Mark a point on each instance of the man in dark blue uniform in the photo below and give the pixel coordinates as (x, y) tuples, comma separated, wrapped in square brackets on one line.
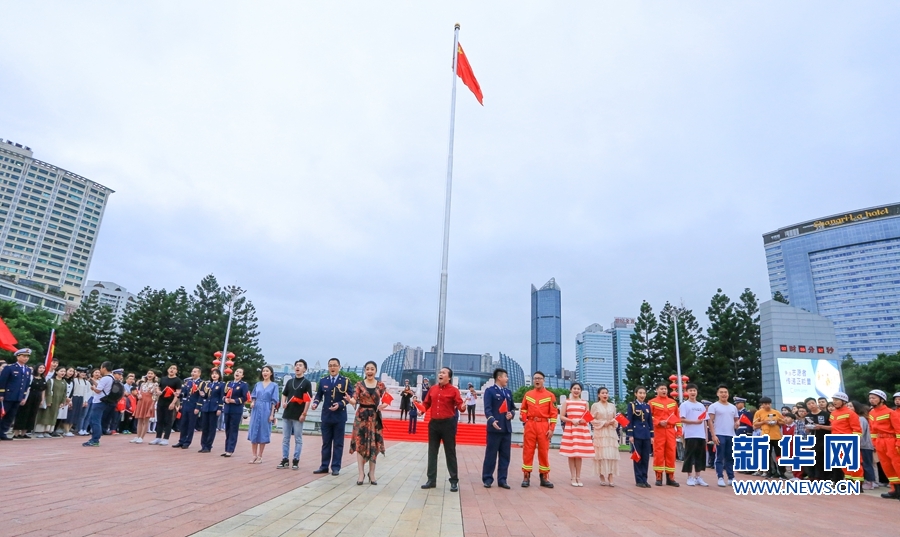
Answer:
[(640, 434), (190, 409), (15, 380), (330, 394), (499, 410), (743, 428)]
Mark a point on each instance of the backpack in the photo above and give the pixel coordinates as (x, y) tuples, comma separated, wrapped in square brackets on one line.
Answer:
[(116, 391)]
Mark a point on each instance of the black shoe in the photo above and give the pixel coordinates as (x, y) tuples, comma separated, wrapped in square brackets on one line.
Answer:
[(177, 446), (454, 487), (336, 473), (203, 451), (672, 483), (546, 483), (526, 483), (321, 471), (659, 482), (429, 485), (4, 437), (186, 446), (503, 486), (891, 495), (283, 464), (487, 485), (296, 465)]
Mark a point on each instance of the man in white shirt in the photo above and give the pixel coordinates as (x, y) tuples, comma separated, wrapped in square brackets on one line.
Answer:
[(98, 407), (723, 420), (694, 421)]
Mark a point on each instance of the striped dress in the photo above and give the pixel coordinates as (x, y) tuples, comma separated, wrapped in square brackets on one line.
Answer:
[(576, 439)]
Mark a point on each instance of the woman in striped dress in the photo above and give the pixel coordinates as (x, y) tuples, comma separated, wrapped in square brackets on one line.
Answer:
[(576, 439)]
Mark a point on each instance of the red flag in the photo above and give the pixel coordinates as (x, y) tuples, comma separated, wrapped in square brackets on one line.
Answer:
[(635, 456), (420, 407), (168, 392), (306, 398), (8, 341), (228, 394), (623, 421), (178, 416), (503, 408), (464, 71), (51, 349), (387, 399), (702, 416), (296, 399), (588, 417), (746, 421), (249, 397), (195, 387)]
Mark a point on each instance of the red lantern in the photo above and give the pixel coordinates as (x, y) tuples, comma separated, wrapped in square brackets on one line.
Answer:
[(217, 354), (685, 378), (217, 363), (673, 377), (229, 363), (673, 386), (228, 371), (230, 356)]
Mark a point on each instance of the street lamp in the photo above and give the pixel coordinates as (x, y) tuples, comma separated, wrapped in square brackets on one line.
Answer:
[(233, 293)]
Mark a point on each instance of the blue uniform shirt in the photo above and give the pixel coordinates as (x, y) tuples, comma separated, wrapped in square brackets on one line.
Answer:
[(640, 422), (190, 397), (329, 392), (493, 399), (14, 382), (212, 396), (239, 390)]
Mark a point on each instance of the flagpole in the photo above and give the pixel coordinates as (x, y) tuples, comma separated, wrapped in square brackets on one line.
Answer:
[(442, 310), (49, 356)]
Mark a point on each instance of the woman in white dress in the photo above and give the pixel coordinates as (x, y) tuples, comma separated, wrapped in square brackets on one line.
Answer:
[(576, 439), (606, 440)]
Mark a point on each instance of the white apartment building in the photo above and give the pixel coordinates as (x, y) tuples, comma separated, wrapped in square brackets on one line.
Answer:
[(109, 294)]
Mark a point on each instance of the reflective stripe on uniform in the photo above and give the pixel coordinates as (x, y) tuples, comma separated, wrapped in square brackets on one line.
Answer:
[(545, 400)]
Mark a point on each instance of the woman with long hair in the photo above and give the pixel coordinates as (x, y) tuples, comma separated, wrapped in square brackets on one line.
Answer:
[(27, 415), (235, 396), (606, 440), (212, 395), (85, 421), (262, 415), (81, 392), (576, 438), (367, 440), (64, 424), (146, 402), (54, 400)]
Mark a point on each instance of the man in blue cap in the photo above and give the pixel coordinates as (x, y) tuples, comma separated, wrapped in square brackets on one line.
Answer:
[(14, 382), (743, 428)]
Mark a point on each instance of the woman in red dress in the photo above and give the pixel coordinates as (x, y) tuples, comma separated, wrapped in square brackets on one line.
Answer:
[(367, 441)]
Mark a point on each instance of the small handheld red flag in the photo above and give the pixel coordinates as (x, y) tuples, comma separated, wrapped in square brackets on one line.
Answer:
[(249, 397), (178, 416), (465, 73), (228, 394), (168, 392), (420, 407), (702, 416), (306, 398), (588, 417), (746, 421), (623, 421), (296, 399), (195, 387), (387, 399), (503, 407), (635, 456)]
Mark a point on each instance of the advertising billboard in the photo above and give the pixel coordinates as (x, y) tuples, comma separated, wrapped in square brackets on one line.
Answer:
[(802, 377)]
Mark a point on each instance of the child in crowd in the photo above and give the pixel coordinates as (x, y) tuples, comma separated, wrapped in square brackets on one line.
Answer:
[(413, 415)]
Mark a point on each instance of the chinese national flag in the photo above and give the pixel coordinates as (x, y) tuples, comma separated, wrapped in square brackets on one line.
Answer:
[(421, 408), (588, 417), (195, 387), (464, 71), (635, 456), (168, 392), (387, 399), (249, 396), (746, 421), (8, 341), (702, 416), (623, 421), (228, 394), (306, 397), (503, 408), (51, 350), (298, 400)]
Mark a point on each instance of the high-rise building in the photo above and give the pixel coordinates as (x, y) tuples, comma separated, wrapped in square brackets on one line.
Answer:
[(413, 356), (847, 268), (594, 359), (476, 369), (49, 221), (546, 330), (512, 367), (110, 294), (621, 330)]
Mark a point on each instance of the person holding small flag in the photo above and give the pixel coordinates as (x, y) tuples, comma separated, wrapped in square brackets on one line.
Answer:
[(640, 435), (745, 417), (168, 387), (540, 415), (189, 395), (212, 402), (576, 438), (498, 410), (415, 409), (330, 394), (295, 399), (15, 379), (369, 397), (694, 418), (236, 394), (664, 410), (606, 440)]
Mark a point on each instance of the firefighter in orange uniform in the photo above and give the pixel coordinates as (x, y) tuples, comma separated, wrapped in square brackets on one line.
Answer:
[(845, 421), (664, 410), (884, 425), (539, 413)]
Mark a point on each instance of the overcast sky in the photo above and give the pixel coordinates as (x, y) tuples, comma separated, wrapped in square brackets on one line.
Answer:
[(630, 150)]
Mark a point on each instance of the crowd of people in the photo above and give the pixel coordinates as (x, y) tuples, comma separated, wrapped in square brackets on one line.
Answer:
[(67, 402)]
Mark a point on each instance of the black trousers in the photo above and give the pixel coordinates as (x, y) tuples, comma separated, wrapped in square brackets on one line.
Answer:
[(471, 410), (332, 445), (10, 408), (694, 455), (164, 420), (497, 450), (186, 427), (208, 422), (642, 446), (442, 431)]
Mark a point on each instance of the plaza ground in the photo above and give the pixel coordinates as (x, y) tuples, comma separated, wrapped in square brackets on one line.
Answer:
[(55, 487)]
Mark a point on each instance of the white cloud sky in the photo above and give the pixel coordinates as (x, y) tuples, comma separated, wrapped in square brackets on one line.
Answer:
[(633, 151)]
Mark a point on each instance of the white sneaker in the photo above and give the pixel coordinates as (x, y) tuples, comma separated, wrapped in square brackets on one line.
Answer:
[(133, 441), (164, 443), (722, 482), (690, 481), (727, 481), (69, 433), (701, 482), (138, 440), (795, 479), (155, 441), (39, 435)]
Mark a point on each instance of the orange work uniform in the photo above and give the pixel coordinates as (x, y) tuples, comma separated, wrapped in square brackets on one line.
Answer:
[(845, 421), (664, 409), (539, 414), (884, 425)]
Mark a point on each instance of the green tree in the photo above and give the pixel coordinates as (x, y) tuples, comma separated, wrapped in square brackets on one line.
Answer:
[(717, 363), (748, 381), (209, 316), (690, 339), (146, 333), (88, 336), (244, 339), (643, 350), (778, 297), (882, 373), (519, 394), (31, 329)]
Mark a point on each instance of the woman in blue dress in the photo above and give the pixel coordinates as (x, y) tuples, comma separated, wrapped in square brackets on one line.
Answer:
[(262, 415)]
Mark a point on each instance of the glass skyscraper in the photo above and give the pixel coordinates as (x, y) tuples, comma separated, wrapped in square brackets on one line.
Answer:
[(846, 268), (594, 358), (546, 330)]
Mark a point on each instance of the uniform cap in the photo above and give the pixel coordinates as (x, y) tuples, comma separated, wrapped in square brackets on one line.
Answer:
[(842, 396), (23, 351), (879, 393), (705, 402), (739, 400), (119, 371)]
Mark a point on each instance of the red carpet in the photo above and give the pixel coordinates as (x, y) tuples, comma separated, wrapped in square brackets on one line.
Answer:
[(466, 434)]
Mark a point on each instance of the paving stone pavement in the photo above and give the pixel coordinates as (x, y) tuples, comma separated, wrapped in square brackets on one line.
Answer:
[(337, 506)]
